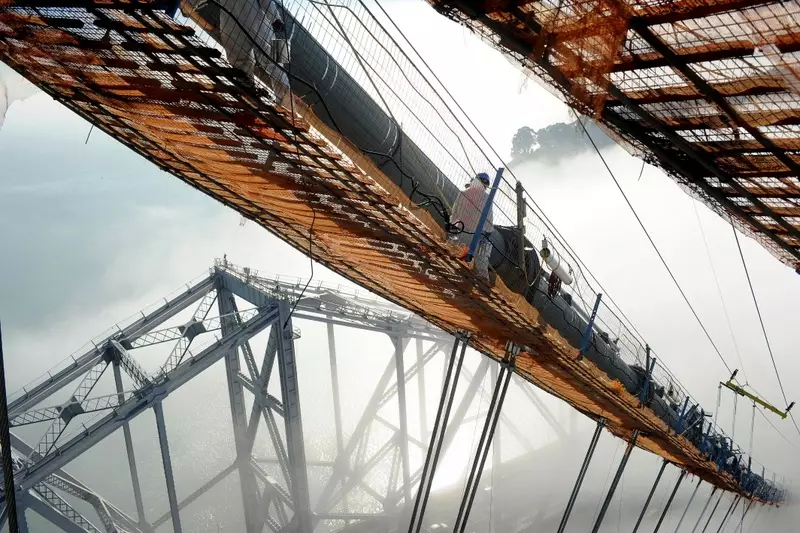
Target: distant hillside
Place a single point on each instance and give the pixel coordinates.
(555, 142)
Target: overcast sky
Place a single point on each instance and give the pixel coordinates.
(90, 233)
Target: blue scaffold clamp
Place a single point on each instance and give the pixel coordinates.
(476, 237)
(587, 335)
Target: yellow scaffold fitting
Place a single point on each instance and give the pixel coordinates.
(730, 384)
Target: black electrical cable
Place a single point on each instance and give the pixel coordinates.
(653, 244)
(761, 321)
(310, 204)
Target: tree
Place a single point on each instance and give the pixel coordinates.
(523, 143)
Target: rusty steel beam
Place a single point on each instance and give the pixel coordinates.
(674, 12)
(695, 54)
(688, 93)
(658, 45)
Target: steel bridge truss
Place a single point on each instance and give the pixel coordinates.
(275, 490)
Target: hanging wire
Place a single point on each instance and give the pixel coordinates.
(719, 289)
(761, 321)
(605, 483)
(649, 238)
(311, 205)
(752, 428)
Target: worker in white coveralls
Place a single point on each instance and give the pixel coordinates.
(249, 29)
(467, 210)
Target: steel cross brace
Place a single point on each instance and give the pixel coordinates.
(84, 362)
(484, 443)
(455, 362)
(134, 406)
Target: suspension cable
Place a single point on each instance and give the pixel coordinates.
(719, 289)
(761, 321)
(653, 244)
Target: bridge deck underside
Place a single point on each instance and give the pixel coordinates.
(709, 90)
(146, 81)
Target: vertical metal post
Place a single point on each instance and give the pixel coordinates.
(5, 442)
(714, 510)
(22, 520)
(476, 238)
(669, 501)
(731, 507)
(126, 431)
(496, 460)
(691, 499)
(649, 366)
(337, 406)
(451, 376)
(492, 417)
(423, 403)
(617, 477)
(403, 415)
(650, 495)
(290, 395)
(247, 480)
(521, 231)
(167, 462)
(582, 473)
(679, 425)
(705, 508)
(587, 335)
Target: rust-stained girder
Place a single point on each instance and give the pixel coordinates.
(688, 77)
